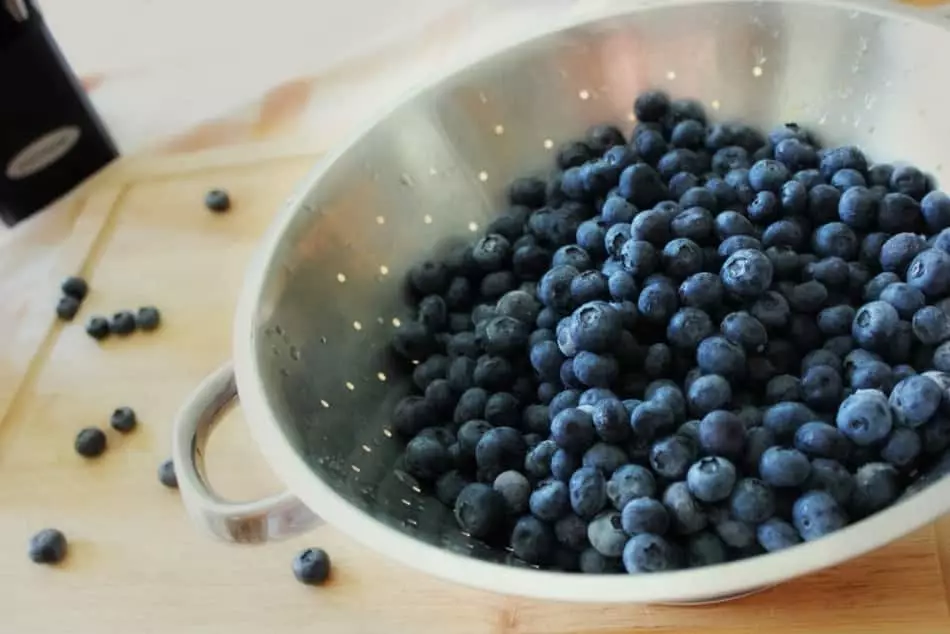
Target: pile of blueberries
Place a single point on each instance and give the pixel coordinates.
(691, 346)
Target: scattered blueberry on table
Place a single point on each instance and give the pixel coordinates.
(90, 442)
(122, 323)
(98, 327)
(48, 546)
(217, 200)
(67, 307)
(123, 419)
(147, 318)
(75, 287)
(166, 474)
(312, 566)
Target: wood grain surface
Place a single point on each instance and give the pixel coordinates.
(140, 234)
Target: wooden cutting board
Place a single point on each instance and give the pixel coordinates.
(140, 235)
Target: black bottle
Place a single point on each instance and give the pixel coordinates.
(50, 137)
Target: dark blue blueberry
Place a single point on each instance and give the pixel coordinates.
(479, 510)
(571, 532)
(839, 158)
(573, 154)
(787, 232)
(651, 106)
(758, 439)
(651, 418)
(554, 291)
(413, 414)
(509, 224)
(906, 299)
(688, 327)
(652, 225)
(722, 433)
(492, 252)
(708, 393)
(573, 430)
(671, 457)
(603, 136)
(880, 174)
(646, 553)
(872, 375)
(899, 212)
(535, 419)
(822, 388)
(742, 329)
(768, 175)
(695, 223)
(572, 255)
(564, 400)
(550, 501)
(590, 236)
(678, 160)
(630, 482)
(644, 515)
(595, 395)
(503, 410)
(738, 179)
(640, 258)
(821, 440)
(686, 513)
(520, 305)
(809, 178)
(752, 501)
(795, 154)
(857, 208)
(784, 419)
(689, 133)
(711, 479)
(530, 262)
(747, 273)
(532, 540)
(448, 487)
(823, 202)
(865, 417)
(930, 272)
(764, 208)
(681, 183)
(702, 290)
(616, 210)
(935, 208)
(616, 237)
(718, 355)
(902, 448)
(505, 336)
(595, 327)
(589, 286)
(722, 192)
(547, 391)
(876, 486)
(588, 492)
(847, 178)
(781, 467)
(874, 325)
(546, 359)
(899, 251)
(460, 294)
(568, 377)
(537, 462)
(931, 325)
(470, 434)
(681, 110)
(839, 345)
(816, 514)
(732, 223)
(915, 400)
(776, 534)
(830, 476)
(733, 244)
(833, 272)
(605, 458)
(47, 546)
(640, 183)
(786, 263)
(876, 285)
(514, 487)
(611, 421)
(312, 566)
(658, 360)
(657, 303)
(907, 179)
(122, 323)
(595, 370)
(496, 284)
(592, 562)
(493, 373)
(783, 387)
(529, 192)
(623, 287)
(606, 535)
(681, 258)
(835, 239)
(730, 158)
(705, 549)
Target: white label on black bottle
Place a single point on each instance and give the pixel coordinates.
(42, 152)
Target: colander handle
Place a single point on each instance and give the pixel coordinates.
(275, 517)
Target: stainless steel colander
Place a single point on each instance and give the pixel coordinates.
(324, 294)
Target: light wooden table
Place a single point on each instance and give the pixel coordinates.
(135, 563)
